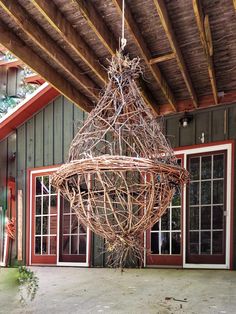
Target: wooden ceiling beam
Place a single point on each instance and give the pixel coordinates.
(58, 22)
(72, 38)
(145, 53)
(35, 33)
(165, 21)
(109, 41)
(234, 3)
(17, 47)
(203, 30)
(162, 58)
(97, 24)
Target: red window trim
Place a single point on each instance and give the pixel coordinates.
(210, 144)
(38, 259)
(37, 172)
(232, 142)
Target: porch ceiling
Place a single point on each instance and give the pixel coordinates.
(187, 47)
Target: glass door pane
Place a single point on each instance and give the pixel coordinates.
(205, 209)
(166, 234)
(73, 235)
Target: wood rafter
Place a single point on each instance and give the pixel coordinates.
(107, 38)
(234, 3)
(202, 32)
(57, 21)
(163, 14)
(37, 64)
(97, 24)
(145, 53)
(42, 40)
(162, 58)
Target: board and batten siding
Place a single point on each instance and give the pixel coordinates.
(41, 141)
(44, 140)
(217, 124)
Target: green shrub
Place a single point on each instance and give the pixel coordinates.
(28, 284)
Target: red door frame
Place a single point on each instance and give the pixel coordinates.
(38, 259)
(232, 142)
(166, 259)
(231, 244)
(29, 183)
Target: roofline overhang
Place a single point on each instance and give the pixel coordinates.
(26, 109)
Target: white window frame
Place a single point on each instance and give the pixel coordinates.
(84, 264)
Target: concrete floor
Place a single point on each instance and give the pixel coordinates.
(77, 290)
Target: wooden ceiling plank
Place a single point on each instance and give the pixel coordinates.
(44, 41)
(37, 64)
(107, 38)
(166, 23)
(134, 30)
(58, 22)
(97, 24)
(210, 65)
(162, 58)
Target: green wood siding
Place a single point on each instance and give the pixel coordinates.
(29, 127)
(11, 151)
(68, 126)
(45, 138)
(211, 122)
(38, 139)
(202, 126)
(25, 155)
(48, 135)
(3, 174)
(172, 131)
(217, 125)
(58, 130)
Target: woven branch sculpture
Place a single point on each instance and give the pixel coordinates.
(121, 173)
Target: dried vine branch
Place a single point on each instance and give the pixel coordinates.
(121, 173)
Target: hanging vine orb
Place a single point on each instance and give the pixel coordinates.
(121, 173)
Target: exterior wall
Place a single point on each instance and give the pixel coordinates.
(42, 141)
(45, 138)
(217, 124)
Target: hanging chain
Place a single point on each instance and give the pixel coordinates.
(123, 39)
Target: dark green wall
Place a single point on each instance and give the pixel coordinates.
(218, 124)
(3, 173)
(45, 138)
(42, 141)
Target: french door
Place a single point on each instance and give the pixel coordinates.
(44, 221)
(206, 209)
(73, 235)
(57, 236)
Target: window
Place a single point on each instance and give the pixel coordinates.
(73, 233)
(45, 199)
(57, 235)
(166, 233)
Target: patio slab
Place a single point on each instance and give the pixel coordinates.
(92, 290)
